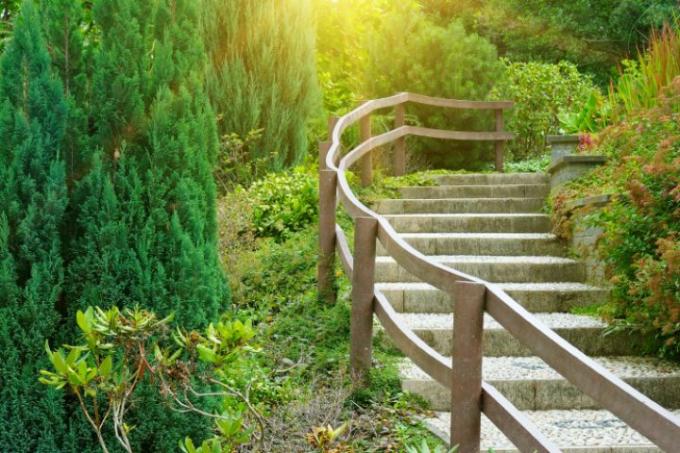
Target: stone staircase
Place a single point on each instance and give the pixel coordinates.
(492, 226)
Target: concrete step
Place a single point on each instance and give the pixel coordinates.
(477, 191)
(584, 332)
(530, 384)
(479, 223)
(579, 431)
(459, 205)
(492, 178)
(514, 269)
(506, 244)
(535, 297)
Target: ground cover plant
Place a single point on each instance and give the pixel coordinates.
(305, 383)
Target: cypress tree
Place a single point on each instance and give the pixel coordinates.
(33, 199)
(146, 220)
(71, 61)
(262, 74)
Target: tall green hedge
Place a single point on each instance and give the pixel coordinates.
(33, 200)
(107, 151)
(262, 74)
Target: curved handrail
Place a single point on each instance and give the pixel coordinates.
(637, 410)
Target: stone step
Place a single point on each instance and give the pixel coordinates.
(492, 178)
(480, 223)
(578, 431)
(514, 269)
(584, 332)
(506, 244)
(535, 297)
(477, 191)
(530, 384)
(459, 205)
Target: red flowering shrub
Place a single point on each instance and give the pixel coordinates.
(641, 243)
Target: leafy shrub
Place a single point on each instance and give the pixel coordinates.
(540, 91)
(119, 349)
(642, 253)
(284, 203)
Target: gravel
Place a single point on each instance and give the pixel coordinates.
(597, 431)
(438, 321)
(533, 368)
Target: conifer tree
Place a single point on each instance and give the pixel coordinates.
(71, 61)
(145, 220)
(33, 199)
(262, 73)
(159, 205)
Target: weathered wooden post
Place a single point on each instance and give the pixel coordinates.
(363, 282)
(400, 143)
(327, 203)
(466, 379)
(366, 163)
(500, 145)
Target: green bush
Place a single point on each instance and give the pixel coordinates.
(284, 203)
(408, 52)
(595, 35)
(541, 92)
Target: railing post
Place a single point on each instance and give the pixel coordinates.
(332, 121)
(466, 379)
(327, 202)
(326, 265)
(366, 163)
(400, 143)
(500, 145)
(363, 282)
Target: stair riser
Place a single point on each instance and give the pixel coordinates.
(529, 224)
(498, 191)
(485, 246)
(435, 301)
(495, 272)
(450, 206)
(500, 343)
(548, 394)
(487, 179)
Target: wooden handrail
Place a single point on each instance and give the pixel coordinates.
(631, 406)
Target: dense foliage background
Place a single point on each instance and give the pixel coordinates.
(127, 126)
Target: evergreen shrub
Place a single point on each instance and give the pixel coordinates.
(408, 52)
(541, 92)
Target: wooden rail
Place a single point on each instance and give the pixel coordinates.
(470, 395)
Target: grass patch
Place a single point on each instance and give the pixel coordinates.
(301, 373)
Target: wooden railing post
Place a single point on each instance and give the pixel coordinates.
(326, 265)
(332, 121)
(466, 378)
(500, 145)
(327, 203)
(400, 143)
(363, 282)
(366, 163)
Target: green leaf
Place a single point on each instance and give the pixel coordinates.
(83, 322)
(206, 354)
(106, 367)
